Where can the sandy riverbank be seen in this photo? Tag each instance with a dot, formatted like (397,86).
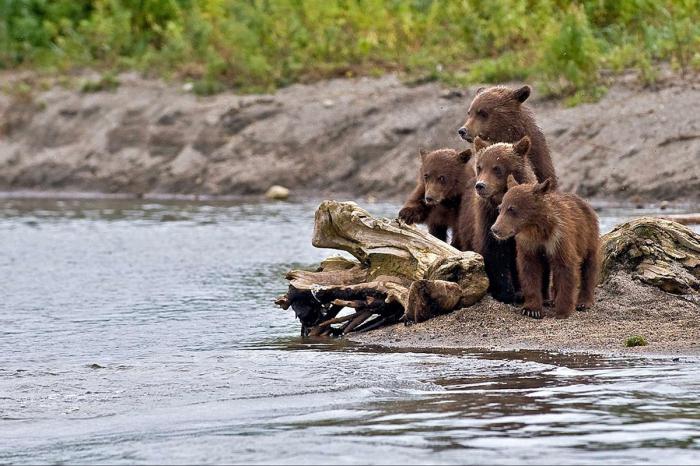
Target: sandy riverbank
(624,307)
(356,137)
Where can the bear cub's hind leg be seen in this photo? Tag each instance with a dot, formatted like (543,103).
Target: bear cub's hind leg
(566,279)
(530,272)
(589,279)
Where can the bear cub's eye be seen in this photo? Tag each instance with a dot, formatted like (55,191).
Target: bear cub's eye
(511,210)
(425,177)
(497,170)
(478,168)
(442,179)
(482,113)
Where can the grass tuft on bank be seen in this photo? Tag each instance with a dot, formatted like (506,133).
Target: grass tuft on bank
(635,340)
(258,45)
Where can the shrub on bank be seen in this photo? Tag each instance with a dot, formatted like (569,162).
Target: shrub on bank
(258,45)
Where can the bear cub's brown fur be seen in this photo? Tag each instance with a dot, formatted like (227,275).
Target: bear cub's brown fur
(498,114)
(494,163)
(559,230)
(445,182)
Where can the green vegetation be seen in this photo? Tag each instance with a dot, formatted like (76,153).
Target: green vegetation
(258,45)
(107,82)
(635,340)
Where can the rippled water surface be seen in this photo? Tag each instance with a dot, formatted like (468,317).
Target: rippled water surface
(145,332)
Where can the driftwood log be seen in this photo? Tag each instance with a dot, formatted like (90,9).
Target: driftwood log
(399,272)
(657,252)
(402,273)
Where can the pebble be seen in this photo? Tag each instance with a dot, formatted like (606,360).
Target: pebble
(211,119)
(277,193)
(451,94)
(637,201)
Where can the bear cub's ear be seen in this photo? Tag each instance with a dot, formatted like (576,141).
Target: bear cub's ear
(522,147)
(480,144)
(522,94)
(480,90)
(544,187)
(512,182)
(465,155)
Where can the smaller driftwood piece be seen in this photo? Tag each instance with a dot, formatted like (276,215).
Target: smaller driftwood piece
(657,252)
(399,272)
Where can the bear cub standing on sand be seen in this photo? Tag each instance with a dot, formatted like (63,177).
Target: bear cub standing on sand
(498,114)
(444,184)
(494,163)
(559,230)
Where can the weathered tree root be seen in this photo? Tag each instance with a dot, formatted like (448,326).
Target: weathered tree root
(391,256)
(428,298)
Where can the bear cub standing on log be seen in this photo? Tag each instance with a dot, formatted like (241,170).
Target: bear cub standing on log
(494,164)
(559,230)
(498,114)
(444,184)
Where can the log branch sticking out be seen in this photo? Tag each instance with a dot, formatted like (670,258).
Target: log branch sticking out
(683,219)
(386,247)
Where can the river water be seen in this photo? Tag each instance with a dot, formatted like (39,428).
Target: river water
(144,332)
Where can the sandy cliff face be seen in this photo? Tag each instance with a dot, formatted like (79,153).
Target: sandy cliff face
(336,137)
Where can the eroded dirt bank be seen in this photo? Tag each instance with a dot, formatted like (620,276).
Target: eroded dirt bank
(624,307)
(352,137)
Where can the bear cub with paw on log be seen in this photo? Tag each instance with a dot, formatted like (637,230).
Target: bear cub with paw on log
(552,230)
(444,185)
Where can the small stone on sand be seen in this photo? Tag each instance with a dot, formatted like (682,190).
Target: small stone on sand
(277,192)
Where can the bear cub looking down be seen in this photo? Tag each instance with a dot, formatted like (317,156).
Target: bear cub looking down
(498,114)
(444,183)
(558,230)
(494,163)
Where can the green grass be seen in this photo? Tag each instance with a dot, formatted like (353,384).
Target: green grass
(106,82)
(207,86)
(635,340)
(259,45)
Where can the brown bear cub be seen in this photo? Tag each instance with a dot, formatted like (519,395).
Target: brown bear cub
(555,229)
(497,114)
(494,164)
(444,184)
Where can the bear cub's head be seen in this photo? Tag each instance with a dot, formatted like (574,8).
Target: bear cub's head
(522,207)
(493,112)
(444,174)
(494,163)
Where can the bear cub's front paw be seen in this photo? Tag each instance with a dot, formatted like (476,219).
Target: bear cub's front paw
(534,313)
(412,215)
